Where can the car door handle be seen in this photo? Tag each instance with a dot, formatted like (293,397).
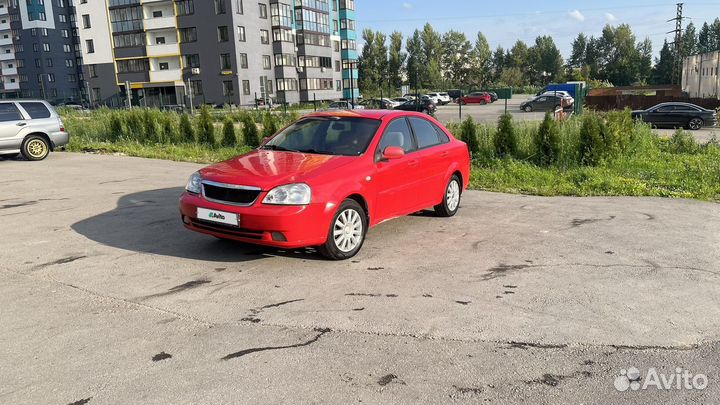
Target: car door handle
(413,163)
(444,153)
(21,124)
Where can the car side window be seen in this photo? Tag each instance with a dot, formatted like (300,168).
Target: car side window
(36,110)
(425,134)
(667,108)
(9,112)
(444,138)
(397,133)
(541,99)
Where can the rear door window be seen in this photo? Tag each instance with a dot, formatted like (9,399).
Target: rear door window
(36,110)
(9,112)
(425,134)
(444,138)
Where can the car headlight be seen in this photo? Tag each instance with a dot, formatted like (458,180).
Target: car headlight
(290,194)
(194,184)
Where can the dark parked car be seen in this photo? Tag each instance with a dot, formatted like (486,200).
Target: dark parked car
(545,103)
(493,96)
(424,106)
(454,94)
(676,115)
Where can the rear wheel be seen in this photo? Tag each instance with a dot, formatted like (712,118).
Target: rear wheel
(695,124)
(451,199)
(347,232)
(483,102)
(35,147)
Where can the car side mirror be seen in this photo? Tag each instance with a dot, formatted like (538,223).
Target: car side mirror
(393,152)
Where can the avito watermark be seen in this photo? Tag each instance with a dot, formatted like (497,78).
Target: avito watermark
(681,379)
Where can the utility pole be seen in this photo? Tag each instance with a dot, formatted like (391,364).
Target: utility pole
(128,94)
(678,62)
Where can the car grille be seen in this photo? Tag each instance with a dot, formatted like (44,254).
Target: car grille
(230,194)
(226,229)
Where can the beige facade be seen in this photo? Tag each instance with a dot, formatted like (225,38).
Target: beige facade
(701,75)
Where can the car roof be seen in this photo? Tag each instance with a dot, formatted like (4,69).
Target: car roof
(371,114)
(677,103)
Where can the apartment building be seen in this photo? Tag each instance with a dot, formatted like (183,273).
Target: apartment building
(39,51)
(217,51)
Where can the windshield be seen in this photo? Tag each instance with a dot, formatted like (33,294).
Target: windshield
(344,136)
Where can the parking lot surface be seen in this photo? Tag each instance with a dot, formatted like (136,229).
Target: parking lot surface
(106,298)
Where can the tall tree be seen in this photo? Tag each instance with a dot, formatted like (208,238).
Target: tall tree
(645,53)
(481,73)
(455,53)
(396,60)
(704,39)
(579,52)
(690,41)
(432,49)
(715,35)
(372,64)
(416,62)
(619,55)
(499,63)
(662,72)
(546,60)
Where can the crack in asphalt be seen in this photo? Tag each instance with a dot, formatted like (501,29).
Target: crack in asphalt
(245,352)
(64,260)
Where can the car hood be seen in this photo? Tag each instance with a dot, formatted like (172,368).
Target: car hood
(267,169)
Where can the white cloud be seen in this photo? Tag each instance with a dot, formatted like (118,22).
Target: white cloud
(577,15)
(610,17)
(408,6)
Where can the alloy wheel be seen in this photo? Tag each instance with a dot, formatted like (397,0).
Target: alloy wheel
(695,124)
(452,196)
(348,230)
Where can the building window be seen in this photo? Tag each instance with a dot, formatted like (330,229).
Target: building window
(225,62)
(240,8)
(89,46)
(264,36)
(220,7)
(228,89)
(222,33)
(243,61)
(192,61)
(185,7)
(86,21)
(246,87)
(133,65)
(241,33)
(347,4)
(287,85)
(197,88)
(267,62)
(188,34)
(164,65)
(263,10)
(92,71)
(283,35)
(285,59)
(49,62)
(46,47)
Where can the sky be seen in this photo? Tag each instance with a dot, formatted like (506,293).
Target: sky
(504,22)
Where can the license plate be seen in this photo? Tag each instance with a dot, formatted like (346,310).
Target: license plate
(222,217)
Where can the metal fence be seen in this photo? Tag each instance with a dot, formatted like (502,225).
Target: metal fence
(635,102)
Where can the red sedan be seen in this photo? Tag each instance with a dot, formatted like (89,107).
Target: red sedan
(477,97)
(325,179)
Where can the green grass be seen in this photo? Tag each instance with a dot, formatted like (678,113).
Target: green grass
(629,159)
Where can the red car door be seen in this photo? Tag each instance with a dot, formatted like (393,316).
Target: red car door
(397,181)
(433,155)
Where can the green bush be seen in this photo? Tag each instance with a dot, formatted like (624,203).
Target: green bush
(149,127)
(250,131)
(134,124)
(187,132)
(270,125)
(591,140)
(169,131)
(683,142)
(468,129)
(229,138)
(547,141)
(115,127)
(206,128)
(505,138)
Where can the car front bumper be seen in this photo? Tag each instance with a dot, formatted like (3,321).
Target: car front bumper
(262,224)
(59,139)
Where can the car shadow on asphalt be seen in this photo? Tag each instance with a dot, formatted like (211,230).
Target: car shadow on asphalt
(149,222)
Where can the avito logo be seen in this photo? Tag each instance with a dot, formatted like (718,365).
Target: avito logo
(217,216)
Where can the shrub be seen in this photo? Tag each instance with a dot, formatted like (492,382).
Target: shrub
(683,142)
(115,127)
(169,131)
(229,138)
(270,125)
(149,127)
(468,129)
(547,141)
(591,140)
(505,138)
(187,133)
(206,128)
(250,131)
(134,124)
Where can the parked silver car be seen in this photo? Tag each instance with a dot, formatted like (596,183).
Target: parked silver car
(30,127)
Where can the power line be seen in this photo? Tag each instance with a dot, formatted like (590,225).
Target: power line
(678,63)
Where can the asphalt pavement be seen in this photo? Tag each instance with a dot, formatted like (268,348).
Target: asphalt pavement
(105,298)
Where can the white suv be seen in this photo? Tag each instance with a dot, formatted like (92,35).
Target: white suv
(30,127)
(439,98)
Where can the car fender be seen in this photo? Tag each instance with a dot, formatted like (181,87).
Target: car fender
(341,192)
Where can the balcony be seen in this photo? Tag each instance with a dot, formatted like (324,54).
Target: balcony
(11,86)
(170,75)
(7,56)
(8,71)
(159,23)
(163,50)
(4,8)
(6,41)
(156,1)
(5,26)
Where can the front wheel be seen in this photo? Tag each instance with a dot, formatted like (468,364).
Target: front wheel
(695,124)
(528,108)
(451,200)
(483,102)
(347,232)
(35,147)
